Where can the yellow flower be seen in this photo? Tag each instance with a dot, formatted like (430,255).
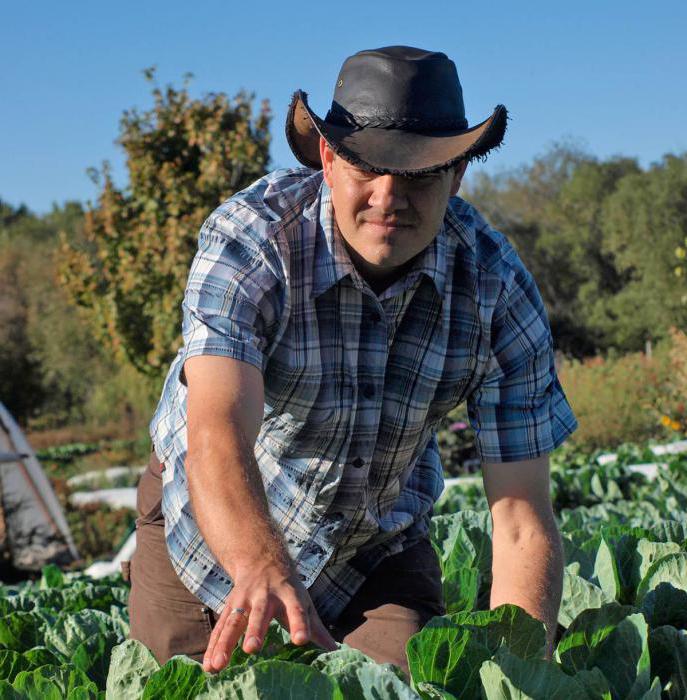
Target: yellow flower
(678,271)
(680,252)
(675,425)
(665,420)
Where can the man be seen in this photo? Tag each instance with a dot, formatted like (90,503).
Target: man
(333,315)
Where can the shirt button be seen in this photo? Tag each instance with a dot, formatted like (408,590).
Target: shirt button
(375,318)
(368,391)
(358,462)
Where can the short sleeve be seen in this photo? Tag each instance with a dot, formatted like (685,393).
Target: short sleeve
(231,304)
(519,410)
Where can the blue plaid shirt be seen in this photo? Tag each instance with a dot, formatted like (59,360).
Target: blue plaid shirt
(355,384)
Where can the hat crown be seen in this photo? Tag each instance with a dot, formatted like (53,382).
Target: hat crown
(399,87)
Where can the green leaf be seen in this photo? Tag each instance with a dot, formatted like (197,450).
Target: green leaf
(131,664)
(379,682)
(469,532)
(431,691)
(580,549)
(49,600)
(89,596)
(11,662)
(358,676)
(70,631)
(53,681)
(668,531)
(654,692)
(7,692)
(594,683)
(276,680)
(41,656)
(586,632)
(670,569)
(180,678)
(578,596)
(665,605)
(623,658)
(52,577)
(668,649)
(442,654)
(507,677)
(276,645)
(606,571)
(20,631)
(509,624)
(461,588)
(650,552)
(92,656)
(15,603)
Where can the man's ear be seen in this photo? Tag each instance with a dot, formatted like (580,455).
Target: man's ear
(458,173)
(327,156)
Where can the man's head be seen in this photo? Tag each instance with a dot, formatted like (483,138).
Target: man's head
(396,110)
(386,220)
(393,148)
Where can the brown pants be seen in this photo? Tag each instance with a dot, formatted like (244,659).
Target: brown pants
(399,597)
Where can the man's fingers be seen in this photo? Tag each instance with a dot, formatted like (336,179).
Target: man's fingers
(321,635)
(233,627)
(214,636)
(260,616)
(298,621)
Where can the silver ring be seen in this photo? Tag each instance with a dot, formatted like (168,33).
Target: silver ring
(241,611)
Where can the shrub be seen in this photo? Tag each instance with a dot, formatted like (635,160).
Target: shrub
(615,398)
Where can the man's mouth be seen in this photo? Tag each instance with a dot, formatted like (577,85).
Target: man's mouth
(387,225)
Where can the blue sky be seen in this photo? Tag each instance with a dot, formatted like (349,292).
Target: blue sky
(609,76)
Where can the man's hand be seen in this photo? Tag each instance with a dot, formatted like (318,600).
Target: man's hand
(264,592)
(527,551)
(224,410)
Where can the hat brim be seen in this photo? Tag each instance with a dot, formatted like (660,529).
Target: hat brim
(394,151)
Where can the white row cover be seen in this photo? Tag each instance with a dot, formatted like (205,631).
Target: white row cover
(111,473)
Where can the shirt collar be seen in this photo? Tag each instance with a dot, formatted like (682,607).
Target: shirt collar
(331,262)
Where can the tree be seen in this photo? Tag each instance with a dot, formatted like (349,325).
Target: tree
(644,224)
(49,360)
(581,276)
(20,386)
(184,157)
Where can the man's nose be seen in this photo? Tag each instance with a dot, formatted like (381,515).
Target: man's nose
(388,193)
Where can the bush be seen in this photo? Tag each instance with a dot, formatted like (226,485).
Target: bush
(672,408)
(616,399)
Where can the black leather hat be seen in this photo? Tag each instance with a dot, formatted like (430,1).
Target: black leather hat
(395,110)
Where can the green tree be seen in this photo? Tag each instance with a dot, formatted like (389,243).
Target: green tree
(50,363)
(184,157)
(20,384)
(602,239)
(580,275)
(644,223)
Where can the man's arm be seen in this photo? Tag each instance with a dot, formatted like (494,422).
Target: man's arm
(224,415)
(528,557)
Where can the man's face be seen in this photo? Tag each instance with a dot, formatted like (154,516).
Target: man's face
(386,220)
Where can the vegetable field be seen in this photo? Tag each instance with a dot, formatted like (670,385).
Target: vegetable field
(622,630)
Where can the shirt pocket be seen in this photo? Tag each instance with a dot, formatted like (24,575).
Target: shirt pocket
(305,398)
(449,393)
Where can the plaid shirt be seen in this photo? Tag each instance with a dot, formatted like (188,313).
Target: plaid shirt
(355,384)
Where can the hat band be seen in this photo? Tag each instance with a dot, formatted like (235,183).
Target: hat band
(340,117)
